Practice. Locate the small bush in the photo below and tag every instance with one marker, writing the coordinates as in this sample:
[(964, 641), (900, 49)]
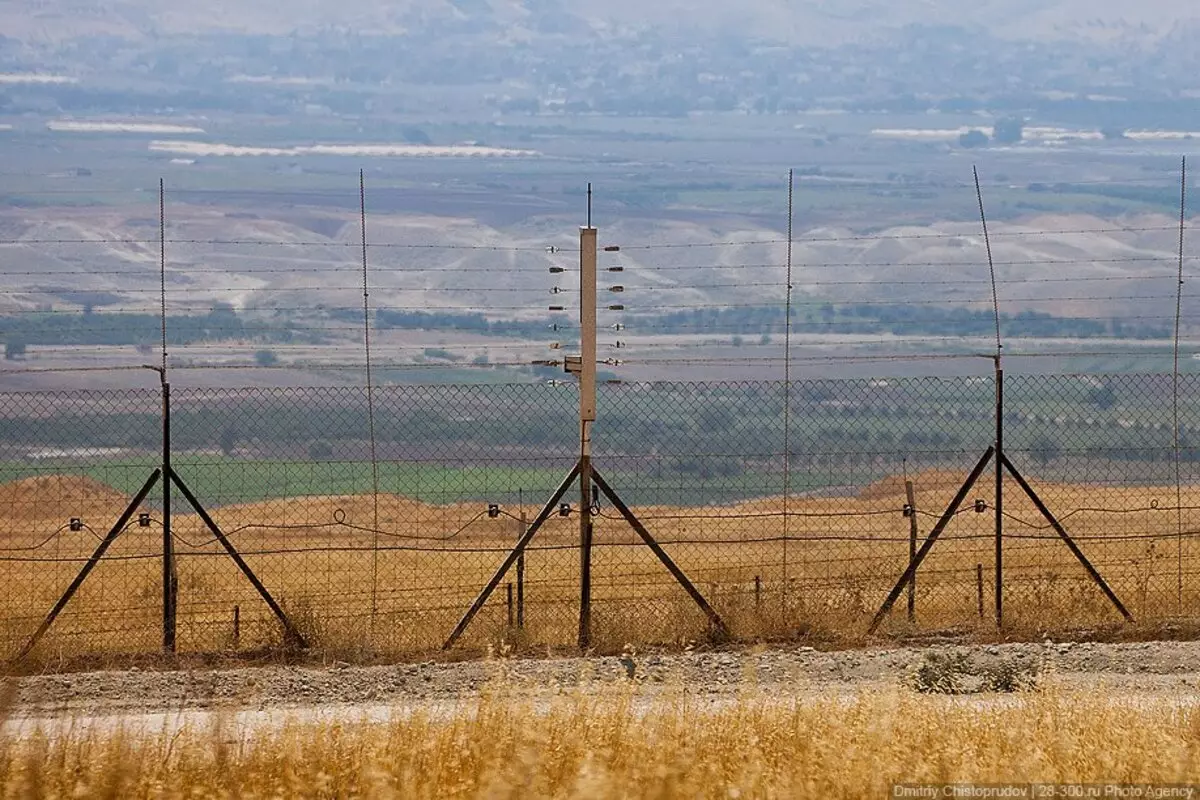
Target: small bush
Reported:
[(941, 673), (953, 673), (1010, 676)]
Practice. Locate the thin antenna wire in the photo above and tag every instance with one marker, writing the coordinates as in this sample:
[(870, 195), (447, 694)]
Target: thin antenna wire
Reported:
[(999, 443), (1175, 386), (589, 204), (987, 241), (787, 380), (162, 269), (362, 213)]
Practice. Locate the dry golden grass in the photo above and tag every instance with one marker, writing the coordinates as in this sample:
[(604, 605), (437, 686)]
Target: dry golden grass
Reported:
[(622, 744), (841, 556)]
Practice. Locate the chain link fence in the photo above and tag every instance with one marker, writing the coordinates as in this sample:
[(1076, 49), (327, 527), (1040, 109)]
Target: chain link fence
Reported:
[(379, 545)]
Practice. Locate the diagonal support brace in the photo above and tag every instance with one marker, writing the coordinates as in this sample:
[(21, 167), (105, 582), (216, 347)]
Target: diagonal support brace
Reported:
[(915, 563), (714, 618), (517, 551), (293, 636), (1067, 540), (101, 549)]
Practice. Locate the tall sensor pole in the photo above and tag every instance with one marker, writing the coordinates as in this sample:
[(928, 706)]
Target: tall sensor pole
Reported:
[(587, 415), (591, 483)]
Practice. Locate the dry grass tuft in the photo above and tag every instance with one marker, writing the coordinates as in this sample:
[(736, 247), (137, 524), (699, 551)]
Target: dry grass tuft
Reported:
[(630, 744)]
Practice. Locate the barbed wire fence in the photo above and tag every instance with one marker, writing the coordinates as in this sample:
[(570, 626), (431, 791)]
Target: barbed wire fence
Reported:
[(372, 512)]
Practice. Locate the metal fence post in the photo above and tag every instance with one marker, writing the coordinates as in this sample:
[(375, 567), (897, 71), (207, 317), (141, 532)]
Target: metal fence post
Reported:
[(169, 582), (979, 588), (521, 576), (999, 509), (910, 495), (508, 590)]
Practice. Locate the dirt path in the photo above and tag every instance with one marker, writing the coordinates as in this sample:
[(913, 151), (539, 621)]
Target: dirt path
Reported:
[(1154, 667)]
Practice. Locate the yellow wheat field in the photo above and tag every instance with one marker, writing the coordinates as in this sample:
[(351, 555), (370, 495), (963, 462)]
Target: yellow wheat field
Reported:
[(617, 743), (392, 577)]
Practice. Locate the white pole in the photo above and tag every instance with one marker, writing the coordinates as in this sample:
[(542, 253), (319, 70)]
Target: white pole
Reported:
[(587, 328), (587, 415)]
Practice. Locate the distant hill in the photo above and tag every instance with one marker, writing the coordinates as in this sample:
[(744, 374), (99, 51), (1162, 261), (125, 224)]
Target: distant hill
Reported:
[(1096, 268), (808, 22)]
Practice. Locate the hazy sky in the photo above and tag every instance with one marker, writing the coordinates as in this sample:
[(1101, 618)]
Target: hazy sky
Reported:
[(810, 21)]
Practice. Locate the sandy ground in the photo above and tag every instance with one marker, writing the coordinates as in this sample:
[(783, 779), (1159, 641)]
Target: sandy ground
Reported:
[(251, 696)]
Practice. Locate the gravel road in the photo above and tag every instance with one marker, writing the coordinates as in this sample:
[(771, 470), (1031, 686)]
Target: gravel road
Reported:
[(1172, 667)]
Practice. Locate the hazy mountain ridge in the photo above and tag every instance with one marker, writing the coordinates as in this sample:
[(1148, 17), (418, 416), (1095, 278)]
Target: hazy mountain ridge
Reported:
[(818, 22), (109, 260)]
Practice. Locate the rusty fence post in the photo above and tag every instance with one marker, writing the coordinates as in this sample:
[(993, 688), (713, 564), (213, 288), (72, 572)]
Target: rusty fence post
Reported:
[(521, 573), (508, 587), (911, 512), (979, 588)]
